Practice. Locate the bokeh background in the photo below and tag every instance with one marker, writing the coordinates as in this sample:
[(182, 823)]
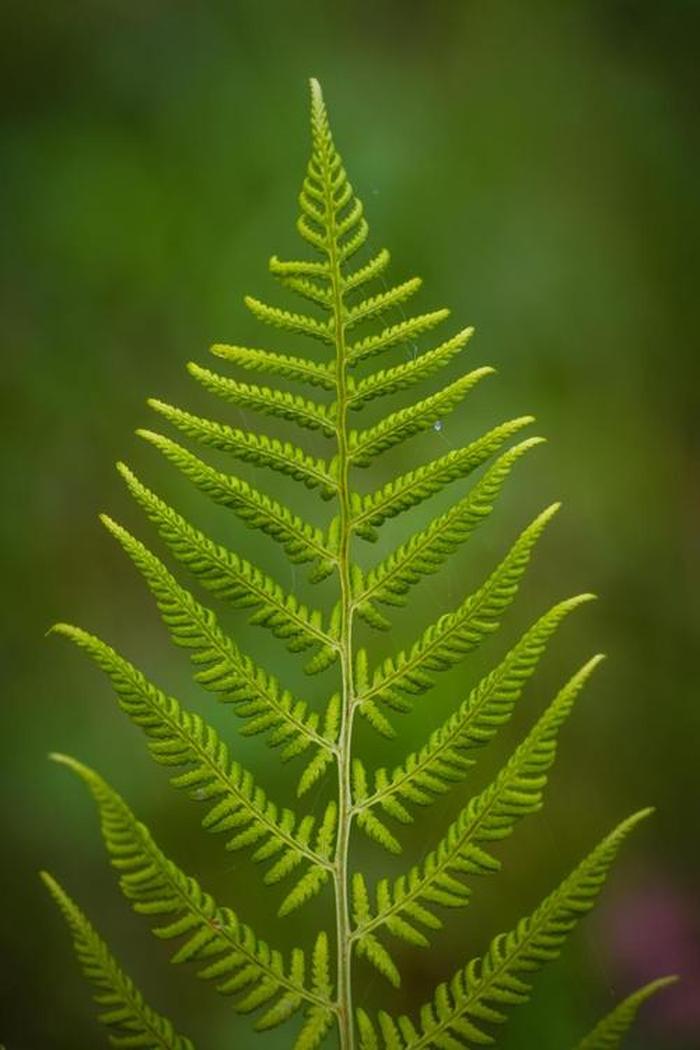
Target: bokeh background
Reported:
[(537, 164)]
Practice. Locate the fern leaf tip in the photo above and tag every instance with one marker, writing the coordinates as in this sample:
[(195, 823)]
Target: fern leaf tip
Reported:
[(58, 756), (317, 102), (48, 880), (591, 664), (634, 819), (549, 512), (66, 629), (147, 435), (664, 982), (531, 442), (110, 524), (71, 763)]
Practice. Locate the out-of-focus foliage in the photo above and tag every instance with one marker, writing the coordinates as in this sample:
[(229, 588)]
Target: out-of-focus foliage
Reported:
[(561, 147)]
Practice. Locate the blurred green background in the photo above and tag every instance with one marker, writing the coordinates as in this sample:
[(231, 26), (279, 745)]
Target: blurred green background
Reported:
[(537, 164)]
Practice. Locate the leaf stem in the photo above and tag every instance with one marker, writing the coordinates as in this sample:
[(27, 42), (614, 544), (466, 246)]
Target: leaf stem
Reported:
[(344, 756)]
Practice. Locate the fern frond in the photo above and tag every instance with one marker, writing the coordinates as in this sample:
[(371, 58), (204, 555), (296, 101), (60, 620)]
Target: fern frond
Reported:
[(301, 369), (222, 668), (319, 1018), (229, 951), (389, 380), (124, 1009), (611, 1030), (300, 541), (178, 737), (376, 305), (364, 445), (259, 449), (410, 489), (345, 312), (490, 816), (446, 758), (447, 641), (478, 993), (297, 324), (368, 272), (395, 335), (264, 399), (425, 551), (298, 268), (311, 290), (230, 577)]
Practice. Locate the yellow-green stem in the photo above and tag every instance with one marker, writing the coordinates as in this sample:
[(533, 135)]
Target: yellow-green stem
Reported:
[(344, 756)]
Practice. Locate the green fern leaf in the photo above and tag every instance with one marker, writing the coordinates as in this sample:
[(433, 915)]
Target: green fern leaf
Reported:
[(298, 268), (298, 324), (366, 444), (374, 829), (285, 366), (223, 669), (178, 737), (369, 947), (394, 335), (418, 485), (376, 305), (319, 1018), (318, 1024), (278, 403), (300, 541), (391, 380), (425, 552), (609, 1033), (354, 320), (370, 271), (490, 816), (446, 758), (503, 976), (446, 642), (259, 449), (123, 1007), (230, 577), (157, 888)]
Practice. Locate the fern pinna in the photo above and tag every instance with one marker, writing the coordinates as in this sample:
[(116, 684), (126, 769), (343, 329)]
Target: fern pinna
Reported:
[(305, 853)]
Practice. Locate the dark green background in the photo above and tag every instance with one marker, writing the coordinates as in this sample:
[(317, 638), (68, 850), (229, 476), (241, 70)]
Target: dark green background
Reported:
[(537, 163)]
